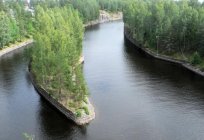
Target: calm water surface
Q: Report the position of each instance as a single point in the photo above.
(135, 97)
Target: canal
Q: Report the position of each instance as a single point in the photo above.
(135, 97)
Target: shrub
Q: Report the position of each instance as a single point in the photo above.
(196, 59)
(86, 110)
(28, 136)
(78, 113)
(86, 100)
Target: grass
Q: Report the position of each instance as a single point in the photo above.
(86, 110)
(78, 113)
(65, 98)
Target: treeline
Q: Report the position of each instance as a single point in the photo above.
(57, 29)
(112, 5)
(58, 45)
(88, 9)
(15, 23)
(168, 26)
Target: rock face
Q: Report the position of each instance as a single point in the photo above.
(105, 17)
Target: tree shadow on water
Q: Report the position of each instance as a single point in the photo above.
(54, 125)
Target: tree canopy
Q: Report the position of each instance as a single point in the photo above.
(58, 45)
(15, 23)
(172, 26)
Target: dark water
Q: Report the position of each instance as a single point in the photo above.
(135, 98)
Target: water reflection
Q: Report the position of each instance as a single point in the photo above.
(135, 97)
(50, 118)
(182, 87)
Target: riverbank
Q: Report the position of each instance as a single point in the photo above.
(87, 114)
(83, 117)
(15, 47)
(153, 54)
(105, 17)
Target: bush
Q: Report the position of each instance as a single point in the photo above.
(28, 136)
(86, 110)
(86, 100)
(196, 59)
(78, 113)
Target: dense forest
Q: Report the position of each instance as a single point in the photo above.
(15, 23)
(169, 27)
(58, 39)
(57, 29)
(58, 46)
(88, 9)
(112, 5)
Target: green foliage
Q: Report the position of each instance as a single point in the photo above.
(196, 59)
(57, 28)
(4, 29)
(78, 113)
(202, 67)
(172, 26)
(112, 5)
(58, 46)
(86, 110)
(88, 9)
(15, 22)
(28, 137)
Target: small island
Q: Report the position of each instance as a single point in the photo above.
(55, 68)
(56, 64)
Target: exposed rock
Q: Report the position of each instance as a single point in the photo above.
(105, 17)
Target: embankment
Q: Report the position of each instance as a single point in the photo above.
(15, 47)
(185, 64)
(66, 112)
(84, 119)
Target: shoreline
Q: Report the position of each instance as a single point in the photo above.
(62, 109)
(96, 22)
(15, 47)
(84, 119)
(152, 54)
(105, 17)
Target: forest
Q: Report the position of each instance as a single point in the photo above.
(169, 27)
(58, 35)
(15, 23)
(57, 29)
(173, 28)
(58, 39)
